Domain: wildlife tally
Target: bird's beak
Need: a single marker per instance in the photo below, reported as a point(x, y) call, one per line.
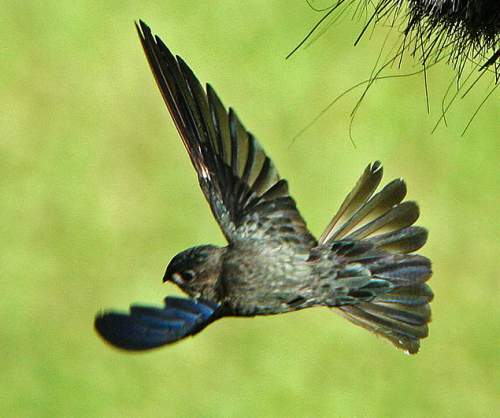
point(167, 277)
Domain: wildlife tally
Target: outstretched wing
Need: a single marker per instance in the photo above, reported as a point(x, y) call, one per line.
point(146, 327)
point(241, 184)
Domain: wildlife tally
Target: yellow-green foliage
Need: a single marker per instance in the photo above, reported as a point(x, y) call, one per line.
point(97, 194)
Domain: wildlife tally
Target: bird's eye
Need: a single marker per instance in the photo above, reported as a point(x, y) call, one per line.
point(182, 278)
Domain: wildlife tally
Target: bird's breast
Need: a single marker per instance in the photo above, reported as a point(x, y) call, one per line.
point(261, 281)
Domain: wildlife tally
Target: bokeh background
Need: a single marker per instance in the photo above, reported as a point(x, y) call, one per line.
point(97, 194)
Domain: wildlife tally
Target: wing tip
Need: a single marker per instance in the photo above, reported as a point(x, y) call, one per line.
point(375, 166)
point(142, 28)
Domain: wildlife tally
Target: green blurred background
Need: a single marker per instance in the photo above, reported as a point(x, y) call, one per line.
point(97, 194)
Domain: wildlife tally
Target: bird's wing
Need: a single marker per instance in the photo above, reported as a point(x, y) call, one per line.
point(245, 192)
point(146, 327)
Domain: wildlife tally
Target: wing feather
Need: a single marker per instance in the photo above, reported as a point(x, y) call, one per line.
point(234, 173)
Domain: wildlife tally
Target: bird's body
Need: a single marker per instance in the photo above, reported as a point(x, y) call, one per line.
point(360, 266)
point(262, 281)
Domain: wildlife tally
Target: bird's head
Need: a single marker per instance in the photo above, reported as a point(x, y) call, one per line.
point(196, 271)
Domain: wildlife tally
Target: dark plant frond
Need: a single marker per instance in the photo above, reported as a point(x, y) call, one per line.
point(463, 33)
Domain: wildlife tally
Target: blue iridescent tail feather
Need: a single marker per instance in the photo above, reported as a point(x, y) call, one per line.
point(146, 327)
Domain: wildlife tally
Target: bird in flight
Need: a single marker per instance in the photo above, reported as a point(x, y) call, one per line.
point(361, 266)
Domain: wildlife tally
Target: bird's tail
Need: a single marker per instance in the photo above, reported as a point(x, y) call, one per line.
point(382, 286)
